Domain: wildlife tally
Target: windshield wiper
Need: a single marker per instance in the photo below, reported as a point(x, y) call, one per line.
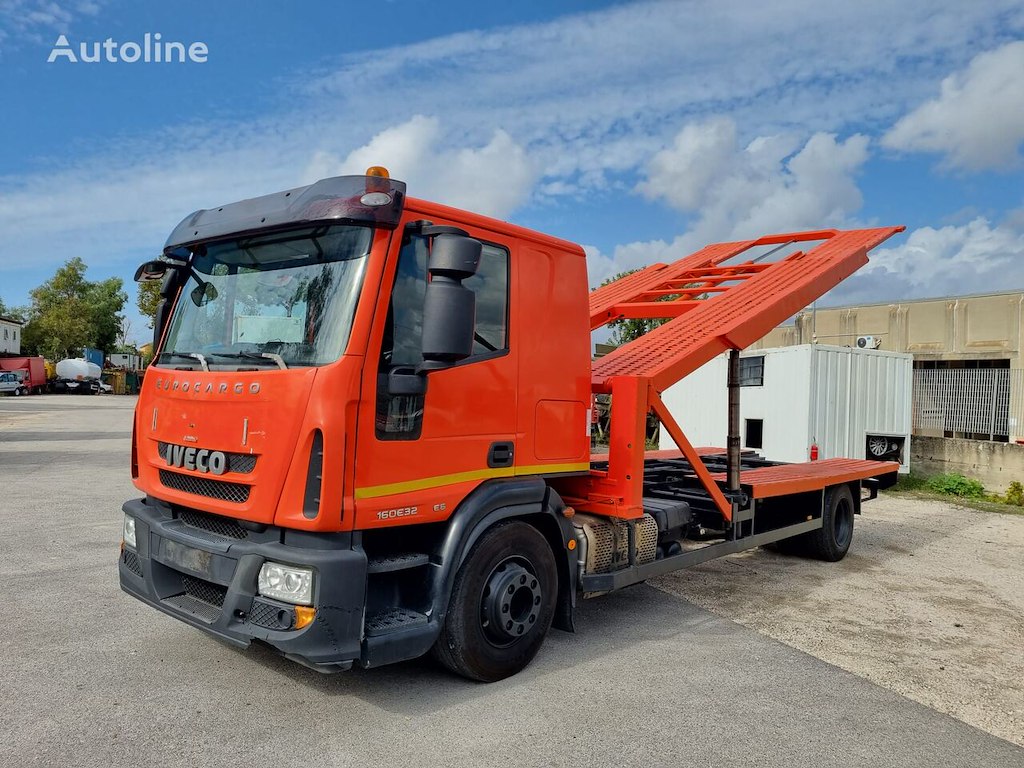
point(190, 356)
point(276, 359)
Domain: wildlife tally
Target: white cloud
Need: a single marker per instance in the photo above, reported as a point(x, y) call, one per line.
point(494, 179)
point(22, 20)
point(973, 258)
point(734, 192)
point(574, 107)
point(977, 121)
point(771, 184)
point(593, 94)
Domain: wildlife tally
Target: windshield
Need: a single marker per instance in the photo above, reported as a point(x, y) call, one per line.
point(280, 300)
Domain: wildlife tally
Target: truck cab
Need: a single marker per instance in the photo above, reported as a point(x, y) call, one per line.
point(341, 370)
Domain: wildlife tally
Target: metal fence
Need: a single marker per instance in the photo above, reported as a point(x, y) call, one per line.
point(969, 402)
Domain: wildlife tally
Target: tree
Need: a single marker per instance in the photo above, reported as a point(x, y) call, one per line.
point(147, 299)
point(69, 312)
point(17, 313)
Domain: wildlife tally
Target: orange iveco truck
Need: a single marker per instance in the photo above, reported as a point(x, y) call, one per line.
point(365, 434)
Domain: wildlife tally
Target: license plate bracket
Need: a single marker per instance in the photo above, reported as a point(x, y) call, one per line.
point(189, 559)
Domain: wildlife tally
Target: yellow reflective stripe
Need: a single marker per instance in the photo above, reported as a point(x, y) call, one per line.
point(553, 469)
point(388, 489)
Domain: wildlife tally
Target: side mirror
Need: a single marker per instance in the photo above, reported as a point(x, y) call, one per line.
point(449, 308)
point(151, 270)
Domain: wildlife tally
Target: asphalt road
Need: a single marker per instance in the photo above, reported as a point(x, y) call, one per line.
point(93, 678)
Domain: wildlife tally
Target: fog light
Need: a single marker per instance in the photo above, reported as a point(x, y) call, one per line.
point(128, 531)
point(286, 583)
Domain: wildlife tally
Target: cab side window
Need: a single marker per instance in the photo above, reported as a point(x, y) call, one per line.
point(400, 416)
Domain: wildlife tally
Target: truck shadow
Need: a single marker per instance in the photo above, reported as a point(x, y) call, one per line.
point(607, 625)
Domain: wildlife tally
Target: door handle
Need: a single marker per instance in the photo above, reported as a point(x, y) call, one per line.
point(500, 454)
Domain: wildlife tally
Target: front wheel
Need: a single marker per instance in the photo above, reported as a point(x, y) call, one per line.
point(501, 605)
point(18, 392)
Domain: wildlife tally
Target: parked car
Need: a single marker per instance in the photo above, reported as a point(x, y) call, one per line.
point(11, 384)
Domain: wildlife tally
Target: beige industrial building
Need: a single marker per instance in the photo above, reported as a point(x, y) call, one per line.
point(968, 401)
point(983, 330)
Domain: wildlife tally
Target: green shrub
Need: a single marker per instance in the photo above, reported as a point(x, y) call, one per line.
point(1015, 494)
point(957, 485)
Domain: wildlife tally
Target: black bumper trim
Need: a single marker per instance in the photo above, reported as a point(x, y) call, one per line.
point(333, 641)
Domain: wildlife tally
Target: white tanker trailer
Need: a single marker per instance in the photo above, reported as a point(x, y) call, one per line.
point(77, 376)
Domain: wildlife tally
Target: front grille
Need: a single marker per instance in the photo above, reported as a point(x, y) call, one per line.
point(204, 486)
point(211, 594)
point(222, 526)
point(131, 562)
point(242, 463)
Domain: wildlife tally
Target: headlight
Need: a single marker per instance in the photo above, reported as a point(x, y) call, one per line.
point(128, 531)
point(287, 583)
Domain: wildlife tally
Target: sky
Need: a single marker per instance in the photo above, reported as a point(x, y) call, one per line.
point(641, 130)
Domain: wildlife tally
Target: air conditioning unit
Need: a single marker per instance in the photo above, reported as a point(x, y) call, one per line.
point(868, 342)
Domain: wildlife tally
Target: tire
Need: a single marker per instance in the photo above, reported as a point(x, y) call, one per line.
point(832, 541)
point(510, 572)
point(18, 392)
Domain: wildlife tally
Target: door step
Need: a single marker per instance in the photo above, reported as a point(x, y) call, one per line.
point(393, 620)
point(399, 562)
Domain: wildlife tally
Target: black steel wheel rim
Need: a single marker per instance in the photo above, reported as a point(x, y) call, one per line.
point(511, 602)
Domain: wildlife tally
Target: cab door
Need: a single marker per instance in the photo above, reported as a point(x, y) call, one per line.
point(417, 456)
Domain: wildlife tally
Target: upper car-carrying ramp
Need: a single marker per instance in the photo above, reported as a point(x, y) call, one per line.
point(716, 300)
point(716, 306)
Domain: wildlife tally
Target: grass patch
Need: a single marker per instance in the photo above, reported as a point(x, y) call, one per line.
point(964, 491)
point(910, 482)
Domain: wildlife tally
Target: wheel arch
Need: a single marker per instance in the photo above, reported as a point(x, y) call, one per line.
point(528, 499)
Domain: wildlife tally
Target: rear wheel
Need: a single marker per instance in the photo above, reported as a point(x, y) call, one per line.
point(501, 606)
point(832, 541)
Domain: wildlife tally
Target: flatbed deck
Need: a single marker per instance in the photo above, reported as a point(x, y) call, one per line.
point(785, 479)
point(668, 475)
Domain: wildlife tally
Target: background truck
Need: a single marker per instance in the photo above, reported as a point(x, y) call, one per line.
point(31, 371)
point(365, 434)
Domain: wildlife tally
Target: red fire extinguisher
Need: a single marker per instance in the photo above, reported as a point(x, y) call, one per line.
point(814, 451)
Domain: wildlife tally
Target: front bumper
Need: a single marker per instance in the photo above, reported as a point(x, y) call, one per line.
point(207, 576)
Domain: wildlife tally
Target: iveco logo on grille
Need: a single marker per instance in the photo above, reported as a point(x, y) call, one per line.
point(198, 459)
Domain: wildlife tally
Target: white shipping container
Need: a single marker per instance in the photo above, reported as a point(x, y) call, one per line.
point(125, 360)
point(851, 403)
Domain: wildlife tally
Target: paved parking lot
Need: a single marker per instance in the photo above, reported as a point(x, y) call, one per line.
point(93, 678)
